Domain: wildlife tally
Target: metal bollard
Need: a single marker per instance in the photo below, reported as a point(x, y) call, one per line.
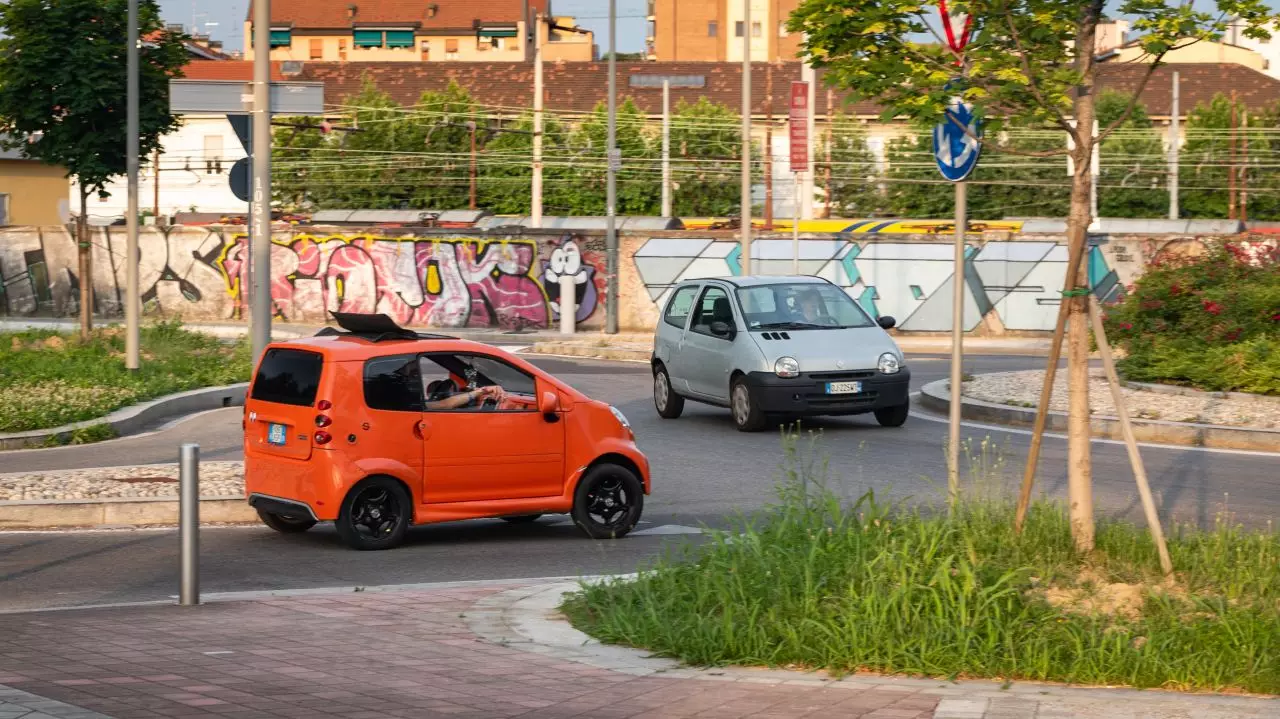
point(189, 522)
point(568, 304)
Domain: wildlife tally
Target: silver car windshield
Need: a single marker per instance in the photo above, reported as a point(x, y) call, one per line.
point(797, 305)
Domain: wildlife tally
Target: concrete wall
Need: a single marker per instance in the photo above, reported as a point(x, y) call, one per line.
point(37, 193)
point(470, 279)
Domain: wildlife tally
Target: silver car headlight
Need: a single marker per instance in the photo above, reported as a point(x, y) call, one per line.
point(786, 367)
point(622, 418)
point(889, 363)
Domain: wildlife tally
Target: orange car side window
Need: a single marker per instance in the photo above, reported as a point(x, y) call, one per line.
point(440, 380)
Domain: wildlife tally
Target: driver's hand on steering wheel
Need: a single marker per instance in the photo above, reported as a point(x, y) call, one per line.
point(493, 392)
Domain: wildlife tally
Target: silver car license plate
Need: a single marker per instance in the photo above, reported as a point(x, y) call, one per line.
point(844, 387)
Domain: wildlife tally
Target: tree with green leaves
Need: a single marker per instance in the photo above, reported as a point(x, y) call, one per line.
point(639, 191)
point(63, 95)
point(1133, 172)
point(1029, 63)
point(1205, 163)
point(705, 137)
point(855, 190)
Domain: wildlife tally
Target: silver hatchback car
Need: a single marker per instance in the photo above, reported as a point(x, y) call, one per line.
point(776, 347)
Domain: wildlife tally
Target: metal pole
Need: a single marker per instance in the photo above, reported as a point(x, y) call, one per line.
point(795, 227)
point(155, 168)
point(1244, 164)
point(568, 304)
point(260, 237)
point(746, 138)
point(957, 344)
point(473, 164)
point(611, 199)
point(768, 147)
point(809, 76)
point(1174, 141)
point(189, 521)
point(666, 147)
point(536, 213)
point(132, 303)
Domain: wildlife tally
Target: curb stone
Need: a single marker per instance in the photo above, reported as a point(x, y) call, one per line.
point(528, 618)
point(131, 419)
point(935, 396)
point(116, 511)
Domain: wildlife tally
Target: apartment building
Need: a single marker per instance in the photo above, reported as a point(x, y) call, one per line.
point(713, 30)
point(1268, 48)
point(415, 31)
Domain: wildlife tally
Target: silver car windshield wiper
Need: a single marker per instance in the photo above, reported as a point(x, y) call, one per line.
point(795, 326)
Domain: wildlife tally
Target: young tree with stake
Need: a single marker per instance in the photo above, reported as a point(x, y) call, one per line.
point(62, 95)
point(1029, 62)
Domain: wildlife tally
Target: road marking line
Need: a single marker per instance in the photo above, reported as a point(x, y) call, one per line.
point(1094, 440)
point(665, 530)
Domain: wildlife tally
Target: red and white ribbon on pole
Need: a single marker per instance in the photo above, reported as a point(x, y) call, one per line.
point(956, 25)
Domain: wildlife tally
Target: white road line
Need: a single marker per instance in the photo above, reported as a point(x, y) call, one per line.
point(1096, 440)
point(666, 529)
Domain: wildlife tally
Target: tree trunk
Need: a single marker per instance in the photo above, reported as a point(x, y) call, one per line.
point(86, 268)
point(1079, 464)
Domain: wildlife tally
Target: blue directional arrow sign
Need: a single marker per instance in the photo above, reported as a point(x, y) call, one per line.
point(955, 150)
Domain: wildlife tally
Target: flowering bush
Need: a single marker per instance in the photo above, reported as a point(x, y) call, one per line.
point(49, 379)
point(1211, 321)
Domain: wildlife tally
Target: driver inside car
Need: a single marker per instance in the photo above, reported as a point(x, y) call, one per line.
point(463, 399)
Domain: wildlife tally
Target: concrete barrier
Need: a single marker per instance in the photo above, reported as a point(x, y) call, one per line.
point(125, 511)
point(935, 396)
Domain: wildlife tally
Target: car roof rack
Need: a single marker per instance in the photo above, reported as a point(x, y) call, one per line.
point(374, 328)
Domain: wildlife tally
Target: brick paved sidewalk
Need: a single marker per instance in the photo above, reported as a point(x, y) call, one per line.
point(449, 651)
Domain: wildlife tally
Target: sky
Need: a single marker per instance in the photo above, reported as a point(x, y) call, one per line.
point(229, 16)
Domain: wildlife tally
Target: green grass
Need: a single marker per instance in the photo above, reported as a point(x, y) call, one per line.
point(817, 583)
point(48, 379)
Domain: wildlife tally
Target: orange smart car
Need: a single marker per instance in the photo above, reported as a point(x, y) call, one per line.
point(375, 428)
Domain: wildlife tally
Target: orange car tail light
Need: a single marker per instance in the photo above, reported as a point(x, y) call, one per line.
point(323, 437)
point(323, 420)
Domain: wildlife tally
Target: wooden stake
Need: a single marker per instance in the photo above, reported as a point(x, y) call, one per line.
point(1074, 259)
point(1130, 442)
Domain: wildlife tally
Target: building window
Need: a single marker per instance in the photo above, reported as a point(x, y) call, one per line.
point(451, 48)
point(756, 30)
point(400, 38)
point(713, 28)
point(425, 47)
point(782, 29)
point(317, 49)
point(281, 38)
point(4, 209)
point(483, 44)
point(738, 28)
point(342, 49)
point(366, 38)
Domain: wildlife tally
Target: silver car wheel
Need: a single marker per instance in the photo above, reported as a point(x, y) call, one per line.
point(661, 391)
point(741, 404)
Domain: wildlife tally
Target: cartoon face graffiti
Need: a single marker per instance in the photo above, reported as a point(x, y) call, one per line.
point(567, 261)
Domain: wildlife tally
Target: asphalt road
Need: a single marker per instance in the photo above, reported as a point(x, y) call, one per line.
point(704, 472)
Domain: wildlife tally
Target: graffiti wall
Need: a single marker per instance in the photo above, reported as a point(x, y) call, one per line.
point(1009, 284)
point(203, 273)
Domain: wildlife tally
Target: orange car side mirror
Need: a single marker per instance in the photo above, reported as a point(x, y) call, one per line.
point(548, 403)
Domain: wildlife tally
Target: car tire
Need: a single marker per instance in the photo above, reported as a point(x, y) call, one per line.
point(747, 415)
point(522, 519)
point(894, 416)
point(604, 488)
point(669, 404)
point(375, 515)
point(286, 525)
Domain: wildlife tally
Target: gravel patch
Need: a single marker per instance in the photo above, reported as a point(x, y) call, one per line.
point(1022, 389)
point(217, 479)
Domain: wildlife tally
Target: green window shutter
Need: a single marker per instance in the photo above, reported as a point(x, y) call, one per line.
point(281, 38)
point(500, 32)
point(399, 38)
point(367, 38)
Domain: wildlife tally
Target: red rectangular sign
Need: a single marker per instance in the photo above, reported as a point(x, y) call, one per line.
point(799, 122)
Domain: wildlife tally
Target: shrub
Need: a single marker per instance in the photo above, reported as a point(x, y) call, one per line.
point(1211, 321)
point(49, 379)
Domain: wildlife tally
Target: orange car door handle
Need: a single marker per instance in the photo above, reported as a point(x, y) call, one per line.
point(422, 430)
